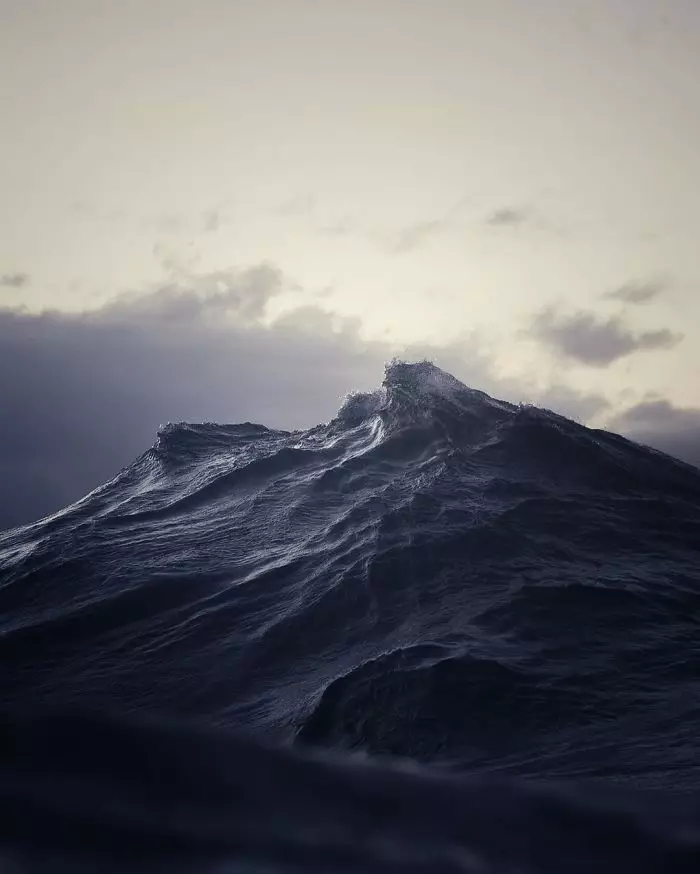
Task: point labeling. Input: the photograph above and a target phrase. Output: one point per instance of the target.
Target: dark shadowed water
(493, 591)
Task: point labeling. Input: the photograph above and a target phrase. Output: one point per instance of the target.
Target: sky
(228, 210)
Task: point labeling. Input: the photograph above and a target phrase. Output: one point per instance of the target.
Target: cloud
(588, 339)
(675, 430)
(508, 217)
(14, 280)
(637, 292)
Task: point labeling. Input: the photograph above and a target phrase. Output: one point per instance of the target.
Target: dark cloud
(588, 339)
(508, 217)
(675, 430)
(14, 280)
(637, 292)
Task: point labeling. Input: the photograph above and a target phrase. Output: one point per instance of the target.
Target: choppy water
(490, 590)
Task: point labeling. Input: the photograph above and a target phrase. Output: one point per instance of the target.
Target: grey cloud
(637, 292)
(14, 280)
(508, 217)
(588, 339)
(675, 430)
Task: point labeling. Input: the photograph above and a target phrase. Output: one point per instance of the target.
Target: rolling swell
(433, 575)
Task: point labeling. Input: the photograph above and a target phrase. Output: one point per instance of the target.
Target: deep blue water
(505, 600)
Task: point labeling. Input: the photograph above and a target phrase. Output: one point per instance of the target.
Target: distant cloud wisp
(507, 217)
(14, 280)
(415, 235)
(637, 292)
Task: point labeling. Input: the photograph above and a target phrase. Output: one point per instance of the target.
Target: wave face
(434, 575)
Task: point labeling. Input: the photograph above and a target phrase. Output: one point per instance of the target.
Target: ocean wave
(433, 574)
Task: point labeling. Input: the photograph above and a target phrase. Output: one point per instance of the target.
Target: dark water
(493, 591)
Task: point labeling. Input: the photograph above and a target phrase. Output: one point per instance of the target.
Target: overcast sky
(230, 210)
